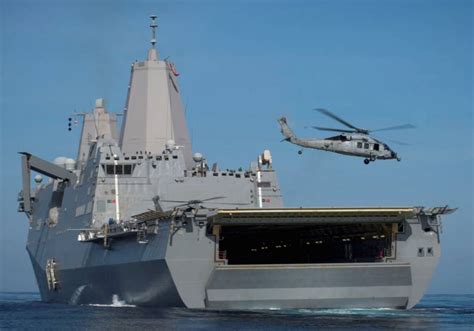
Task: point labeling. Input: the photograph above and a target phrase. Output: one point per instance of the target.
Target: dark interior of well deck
(278, 244)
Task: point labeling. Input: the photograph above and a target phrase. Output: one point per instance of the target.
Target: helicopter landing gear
(399, 159)
(366, 161)
(300, 152)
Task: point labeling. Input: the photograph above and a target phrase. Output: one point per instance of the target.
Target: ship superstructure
(138, 216)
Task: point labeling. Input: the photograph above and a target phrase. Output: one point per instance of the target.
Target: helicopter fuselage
(360, 145)
(355, 143)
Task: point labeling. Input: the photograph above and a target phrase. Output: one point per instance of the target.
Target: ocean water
(434, 312)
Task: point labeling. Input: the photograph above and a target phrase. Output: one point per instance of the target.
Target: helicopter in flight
(353, 141)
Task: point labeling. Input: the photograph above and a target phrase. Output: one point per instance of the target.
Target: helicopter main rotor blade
(399, 142)
(335, 130)
(177, 201)
(182, 203)
(340, 120)
(223, 203)
(396, 127)
(190, 201)
(213, 198)
(231, 203)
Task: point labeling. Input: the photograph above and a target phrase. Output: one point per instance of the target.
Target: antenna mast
(153, 27)
(153, 53)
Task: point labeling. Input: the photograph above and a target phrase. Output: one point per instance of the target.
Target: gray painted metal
(99, 122)
(26, 191)
(174, 259)
(322, 275)
(30, 162)
(154, 114)
(289, 216)
(47, 168)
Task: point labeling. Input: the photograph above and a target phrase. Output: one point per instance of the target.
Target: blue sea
(434, 312)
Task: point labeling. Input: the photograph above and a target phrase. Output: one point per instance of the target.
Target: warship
(138, 217)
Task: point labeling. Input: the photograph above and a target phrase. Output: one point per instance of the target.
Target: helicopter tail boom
(285, 129)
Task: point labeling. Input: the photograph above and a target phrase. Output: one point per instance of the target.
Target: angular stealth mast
(154, 113)
(97, 123)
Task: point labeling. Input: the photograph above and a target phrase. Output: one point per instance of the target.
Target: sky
(243, 64)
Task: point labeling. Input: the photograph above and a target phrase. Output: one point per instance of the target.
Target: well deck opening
(301, 244)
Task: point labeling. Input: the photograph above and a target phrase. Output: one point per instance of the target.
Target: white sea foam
(349, 311)
(116, 302)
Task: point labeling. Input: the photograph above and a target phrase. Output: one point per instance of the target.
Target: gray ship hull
(184, 272)
(311, 286)
(142, 283)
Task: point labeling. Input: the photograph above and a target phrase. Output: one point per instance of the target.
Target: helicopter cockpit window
(376, 147)
(366, 145)
(359, 144)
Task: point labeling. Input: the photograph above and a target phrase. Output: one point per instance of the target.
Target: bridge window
(119, 169)
(127, 169)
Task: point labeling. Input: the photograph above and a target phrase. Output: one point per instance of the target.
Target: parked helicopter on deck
(353, 141)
